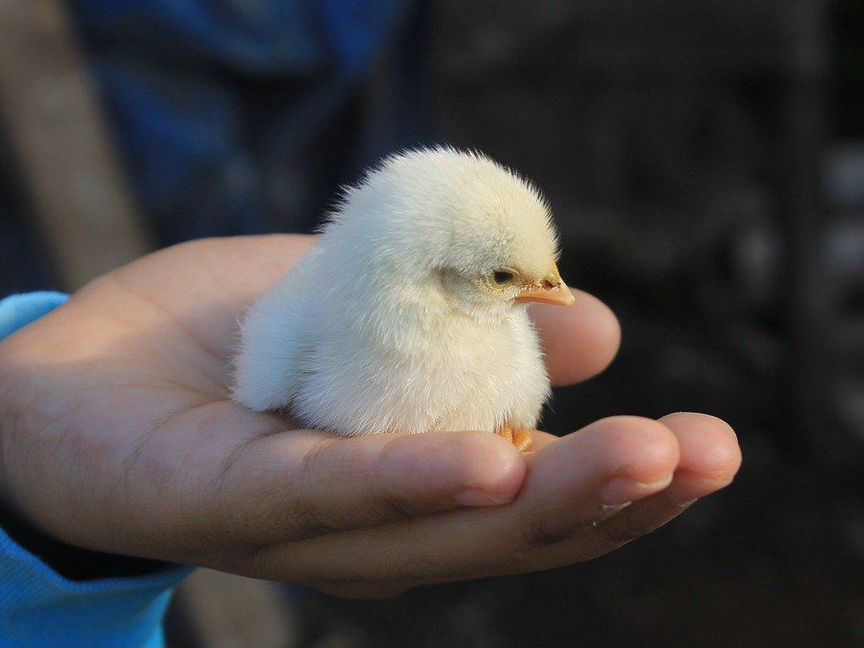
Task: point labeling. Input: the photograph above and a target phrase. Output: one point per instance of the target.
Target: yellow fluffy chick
(411, 314)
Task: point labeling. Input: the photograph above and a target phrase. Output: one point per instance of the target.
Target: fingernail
(477, 497)
(621, 490)
(681, 502)
(608, 510)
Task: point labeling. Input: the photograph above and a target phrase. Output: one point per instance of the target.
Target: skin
(116, 435)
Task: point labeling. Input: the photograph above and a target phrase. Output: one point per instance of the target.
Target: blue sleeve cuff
(38, 607)
(18, 311)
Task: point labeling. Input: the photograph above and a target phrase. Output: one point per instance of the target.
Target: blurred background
(705, 162)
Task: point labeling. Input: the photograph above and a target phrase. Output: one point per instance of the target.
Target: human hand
(116, 434)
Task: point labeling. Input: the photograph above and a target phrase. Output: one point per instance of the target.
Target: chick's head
(455, 229)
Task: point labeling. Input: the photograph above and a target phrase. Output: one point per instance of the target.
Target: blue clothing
(38, 607)
(18, 311)
(238, 117)
(235, 117)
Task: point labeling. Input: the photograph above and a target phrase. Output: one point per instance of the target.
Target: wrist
(75, 563)
(71, 562)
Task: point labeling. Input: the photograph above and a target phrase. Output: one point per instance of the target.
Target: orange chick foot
(519, 437)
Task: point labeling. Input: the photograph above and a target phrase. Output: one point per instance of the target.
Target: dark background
(705, 162)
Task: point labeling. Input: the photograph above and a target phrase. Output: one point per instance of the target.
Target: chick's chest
(473, 356)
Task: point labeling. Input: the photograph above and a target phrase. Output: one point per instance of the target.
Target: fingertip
(470, 468)
(710, 455)
(580, 342)
(608, 335)
(493, 470)
(606, 341)
(709, 445)
(642, 450)
(622, 458)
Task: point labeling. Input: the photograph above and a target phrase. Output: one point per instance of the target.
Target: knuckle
(392, 504)
(307, 521)
(395, 507)
(305, 517)
(542, 534)
(311, 462)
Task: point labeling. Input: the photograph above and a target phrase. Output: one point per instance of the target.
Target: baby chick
(411, 314)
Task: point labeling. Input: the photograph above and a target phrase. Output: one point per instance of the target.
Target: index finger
(305, 483)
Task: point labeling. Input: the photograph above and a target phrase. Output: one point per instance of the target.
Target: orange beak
(552, 290)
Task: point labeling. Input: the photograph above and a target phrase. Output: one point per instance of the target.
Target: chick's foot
(519, 437)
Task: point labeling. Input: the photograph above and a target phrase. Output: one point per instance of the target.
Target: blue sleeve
(38, 607)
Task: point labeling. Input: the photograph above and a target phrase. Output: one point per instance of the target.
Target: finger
(302, 484)
(709, 458)
(540, 440)
(710, 455)
(610, 462)
(579, 342)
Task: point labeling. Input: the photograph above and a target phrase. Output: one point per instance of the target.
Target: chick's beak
(551, 290)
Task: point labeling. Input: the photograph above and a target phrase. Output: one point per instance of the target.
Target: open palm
(118, 436)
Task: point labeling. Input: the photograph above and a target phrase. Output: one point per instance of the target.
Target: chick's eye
(503, 277)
